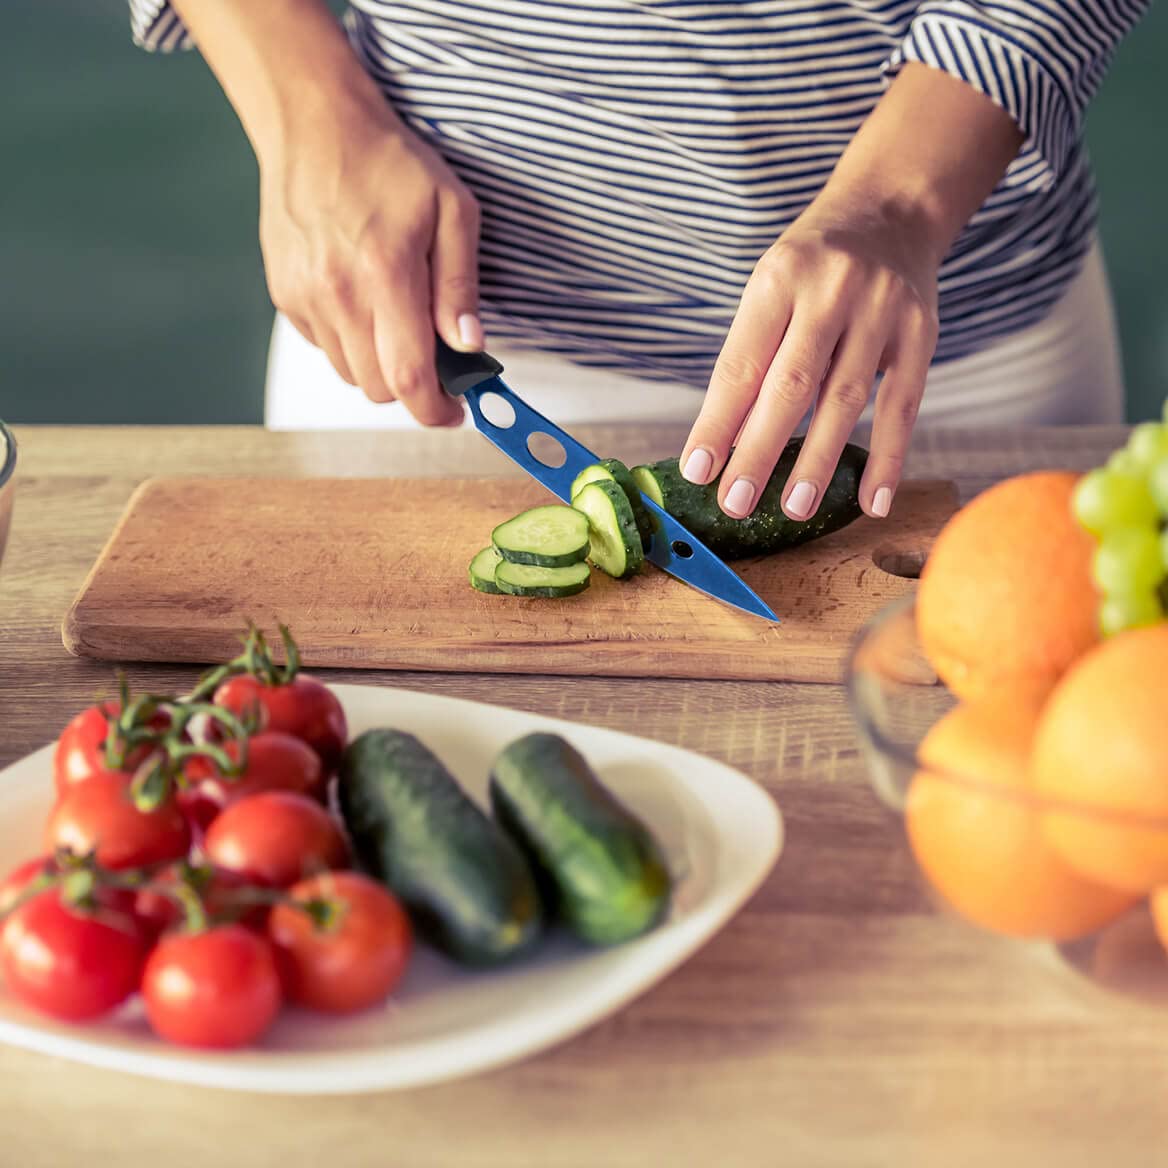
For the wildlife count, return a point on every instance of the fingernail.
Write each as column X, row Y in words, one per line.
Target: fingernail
column 882, row 502
column 698, row 466
column 801, row 500
column 470, row 331
column 739, row 497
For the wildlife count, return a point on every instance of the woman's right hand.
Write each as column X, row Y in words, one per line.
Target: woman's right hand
column 370, row 246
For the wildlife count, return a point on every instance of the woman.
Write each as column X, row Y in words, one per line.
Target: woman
column 866, row 209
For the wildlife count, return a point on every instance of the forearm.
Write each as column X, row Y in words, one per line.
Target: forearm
column 928, row 156
column 285, row 65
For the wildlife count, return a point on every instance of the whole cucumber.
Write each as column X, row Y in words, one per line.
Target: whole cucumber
column 465, row 883
column 599, row 866
column 767, row 529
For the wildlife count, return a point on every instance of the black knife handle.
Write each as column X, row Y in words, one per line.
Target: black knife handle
column 459, row 372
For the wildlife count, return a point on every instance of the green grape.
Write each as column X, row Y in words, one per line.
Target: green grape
column 1158, row 485
column 1123, row 462
column 1129, row 611
column 1128, row 561
column 1164, row 548
column 1148, row 443
column 1105, row 500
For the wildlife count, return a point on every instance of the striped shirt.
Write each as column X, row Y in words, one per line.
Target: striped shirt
column 634, row 158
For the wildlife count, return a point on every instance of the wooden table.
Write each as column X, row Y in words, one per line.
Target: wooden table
column 836, row 1021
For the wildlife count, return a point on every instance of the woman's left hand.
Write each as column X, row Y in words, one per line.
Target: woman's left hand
column 845, row 294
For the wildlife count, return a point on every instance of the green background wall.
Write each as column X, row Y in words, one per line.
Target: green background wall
column 130, row 279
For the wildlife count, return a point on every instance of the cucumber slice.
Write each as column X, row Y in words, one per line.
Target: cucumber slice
column 616, row 544
column 616, row 471
column 533, row 580
column 482, row 570
column 552, row 536
column 646, row 480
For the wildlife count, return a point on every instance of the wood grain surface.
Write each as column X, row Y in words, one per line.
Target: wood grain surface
column 371, row 573
column 838, row 1022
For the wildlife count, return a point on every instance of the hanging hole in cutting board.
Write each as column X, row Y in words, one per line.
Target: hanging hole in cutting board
column 899, row 562
column 546, row 449
column 497, row 410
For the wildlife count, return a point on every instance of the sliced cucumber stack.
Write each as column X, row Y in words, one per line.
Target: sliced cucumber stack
column 533, row 580
column 482, row 571
column 616, row 543
column 553, row 536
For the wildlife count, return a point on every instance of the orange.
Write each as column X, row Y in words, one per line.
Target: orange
column 1159, row 906
column 976, row 834
column 1006, row 594
column 1102, row 744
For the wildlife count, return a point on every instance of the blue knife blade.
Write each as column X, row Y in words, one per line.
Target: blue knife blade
column 673, row 548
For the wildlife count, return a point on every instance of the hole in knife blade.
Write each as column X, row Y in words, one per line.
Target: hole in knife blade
column 546, row 449
column 497, row 410
column 681, row 549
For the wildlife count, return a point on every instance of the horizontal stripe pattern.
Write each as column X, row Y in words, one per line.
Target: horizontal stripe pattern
column 634, row 158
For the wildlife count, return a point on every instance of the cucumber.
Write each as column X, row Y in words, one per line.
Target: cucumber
column 482, row 570
column 552, row 536
column 598, row 865
column 466, row 884
column 767, row 529
column 616, row 543
column 614, row 469
column 530, row 580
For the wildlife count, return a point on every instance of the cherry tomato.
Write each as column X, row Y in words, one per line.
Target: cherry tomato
column 350, row 963
column 80, row 750
column 17, row 881
column 275, row 762
column 218, row 988
column 303, row 707
column 99, row 814
column 70, row 963
column 275, row 838
column 14, row 884
column 159, row 911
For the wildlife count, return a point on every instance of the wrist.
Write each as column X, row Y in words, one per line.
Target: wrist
column 927, row 157
column 906, row 208
column 320, row 117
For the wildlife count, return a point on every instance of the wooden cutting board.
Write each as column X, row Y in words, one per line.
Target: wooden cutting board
column 371, row 573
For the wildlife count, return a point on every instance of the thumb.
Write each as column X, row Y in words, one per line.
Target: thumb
column 454, row 272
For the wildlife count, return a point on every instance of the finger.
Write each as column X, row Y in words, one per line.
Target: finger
column 898, row 399
column 301, row 325
column 751, row 343
column 454, row 274
column 403, row 337
column 327, row 339
column 788, row 390
column 842, row 399
column 361, row 355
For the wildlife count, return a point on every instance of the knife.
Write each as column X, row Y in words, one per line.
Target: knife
column 675, row 550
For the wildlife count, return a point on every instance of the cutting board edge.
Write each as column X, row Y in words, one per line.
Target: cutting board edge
column 721, row 662
column 71, row 629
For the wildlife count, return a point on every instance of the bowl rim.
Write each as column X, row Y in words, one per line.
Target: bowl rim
column 875, row 738
column 9, row 463
column 857, row 706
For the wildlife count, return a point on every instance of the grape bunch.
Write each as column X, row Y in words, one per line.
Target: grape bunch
column 1124, row 505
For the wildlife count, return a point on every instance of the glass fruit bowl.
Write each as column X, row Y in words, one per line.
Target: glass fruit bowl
column 987, row 846
column 7, row 472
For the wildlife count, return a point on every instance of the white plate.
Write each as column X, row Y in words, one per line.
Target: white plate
column 721, row 832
